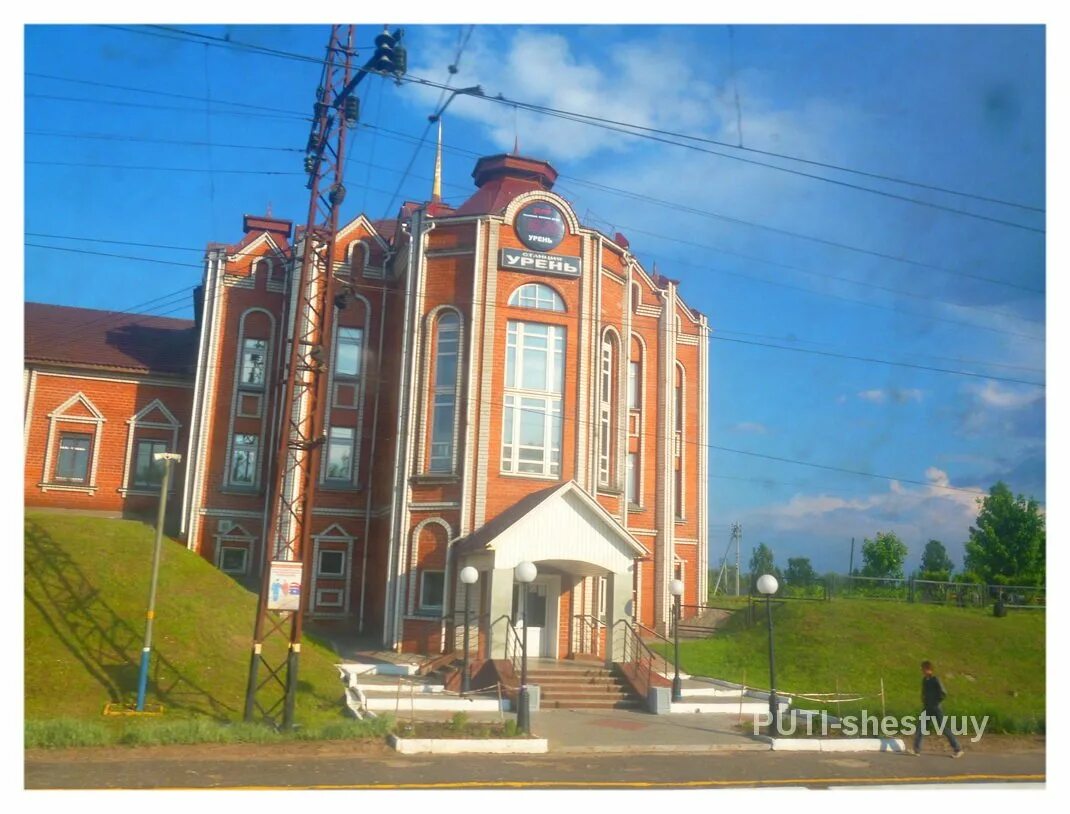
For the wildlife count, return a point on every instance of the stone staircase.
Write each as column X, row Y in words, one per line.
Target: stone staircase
column 572, row 685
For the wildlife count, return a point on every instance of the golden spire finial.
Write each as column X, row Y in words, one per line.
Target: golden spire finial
column 436, row 187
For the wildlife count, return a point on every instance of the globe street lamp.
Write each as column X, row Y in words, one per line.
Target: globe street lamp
column 469, row 576
column 767, row 585
column 525, row 574
column 676, row 588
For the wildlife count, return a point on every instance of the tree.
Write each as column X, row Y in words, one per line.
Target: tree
column 800, row 573
column 1007, row 546
column 761, row 562
column 935, row 564
column 883, row 556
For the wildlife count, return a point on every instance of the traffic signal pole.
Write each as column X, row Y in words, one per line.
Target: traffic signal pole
column 301, row 432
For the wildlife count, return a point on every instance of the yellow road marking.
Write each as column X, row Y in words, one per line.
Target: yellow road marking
column 628, row 784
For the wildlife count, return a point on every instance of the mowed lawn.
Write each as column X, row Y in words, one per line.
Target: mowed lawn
column 86, row 592
column 989, row 666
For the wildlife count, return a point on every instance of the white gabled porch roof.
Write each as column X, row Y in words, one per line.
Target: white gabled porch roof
column 562, row 525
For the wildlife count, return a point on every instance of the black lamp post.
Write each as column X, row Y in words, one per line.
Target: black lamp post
column 676, row 588
column 767, row 585
column 525, row 574
column 469, row 576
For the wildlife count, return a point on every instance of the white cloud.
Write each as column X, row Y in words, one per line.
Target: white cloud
column 893, row 394
column 1006, row 398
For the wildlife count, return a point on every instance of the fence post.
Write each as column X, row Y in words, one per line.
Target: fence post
column 910, row 588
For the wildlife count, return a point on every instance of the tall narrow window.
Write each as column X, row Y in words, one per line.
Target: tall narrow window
column 444, row 393
column 678, row 435
column 632, row 483
column 633, row 385
column 253, row 363
column 340, row 454
column 605, row 413
column 72, row 465
column 534, row 384
column 348, row 355
column 244, row 459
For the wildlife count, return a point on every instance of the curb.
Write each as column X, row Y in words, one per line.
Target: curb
column 663, row 748
column 470, row 746
column 837, row 745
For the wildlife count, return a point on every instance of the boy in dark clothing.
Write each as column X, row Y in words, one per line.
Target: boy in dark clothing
column 932, row 695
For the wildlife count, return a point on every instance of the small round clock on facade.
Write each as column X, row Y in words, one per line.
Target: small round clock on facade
column 540, row 226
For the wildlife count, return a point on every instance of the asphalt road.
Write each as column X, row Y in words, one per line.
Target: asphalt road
column 339, row 766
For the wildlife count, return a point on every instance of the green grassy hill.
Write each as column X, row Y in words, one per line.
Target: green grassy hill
column 86, row 590
column 989, row 666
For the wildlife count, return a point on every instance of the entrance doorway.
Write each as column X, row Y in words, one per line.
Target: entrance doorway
column 542, row 597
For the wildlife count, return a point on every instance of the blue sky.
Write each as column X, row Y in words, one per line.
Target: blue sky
column 959, row 108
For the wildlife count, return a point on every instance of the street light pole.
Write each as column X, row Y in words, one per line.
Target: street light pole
column 469, row 575
column 767, row 585
column 168, row 458
column 525, row 574
column 676, row 588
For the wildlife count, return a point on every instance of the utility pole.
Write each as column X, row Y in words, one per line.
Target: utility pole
column 737, row 533
column 851, row 565
column 167, row 458
column 301, row 432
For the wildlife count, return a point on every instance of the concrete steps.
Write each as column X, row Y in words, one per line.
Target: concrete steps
column 581, row 686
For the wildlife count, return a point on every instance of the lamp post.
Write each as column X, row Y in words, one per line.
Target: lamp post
column 525, row 574
column 167, row 458
column 676, row 588
column 469, row 576
column 767, row 585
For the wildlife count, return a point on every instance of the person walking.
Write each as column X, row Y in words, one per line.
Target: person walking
column 932, row 696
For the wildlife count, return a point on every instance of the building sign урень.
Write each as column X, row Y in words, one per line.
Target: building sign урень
column 539, row 263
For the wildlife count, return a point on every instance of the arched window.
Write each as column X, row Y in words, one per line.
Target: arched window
column 635, row 294
column 444, row 391
column 537, row 295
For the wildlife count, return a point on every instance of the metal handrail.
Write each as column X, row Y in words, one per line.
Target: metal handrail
column 512, row 638
column 590, row 625
column 640, row 655
column 668, row 665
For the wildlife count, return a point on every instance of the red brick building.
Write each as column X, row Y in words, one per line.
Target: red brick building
column 505, row 385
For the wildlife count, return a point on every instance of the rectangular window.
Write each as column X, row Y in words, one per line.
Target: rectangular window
column 603, row 590
column 348, row 355
column 72, row 465
column 603, row 445
column 147, row 471
column 432, row 585
column 678, row 493
column 633, row 385
column 442, row 432
column 531, row 425
column 243, row 461
column 632, row 482
column 331, row 564
column 340, row 454
column 253, row 363
column 233, row 560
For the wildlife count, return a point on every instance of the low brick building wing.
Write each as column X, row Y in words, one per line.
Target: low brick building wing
column 494, row 366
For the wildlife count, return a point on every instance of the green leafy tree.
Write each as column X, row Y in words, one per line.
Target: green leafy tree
column 935, row 564
column 761, row 562
column 883, row 556
column 1007, row 544
column 800, row 573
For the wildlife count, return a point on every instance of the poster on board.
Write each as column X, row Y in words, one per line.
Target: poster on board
column 284, row 587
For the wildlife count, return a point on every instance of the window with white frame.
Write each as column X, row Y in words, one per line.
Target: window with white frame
column 678, row 411
column 537, row 295
column 534, row 384
column 340, row 454
column 72, row 463
column 432, row 590
column 244, row 458
column 348, row 361
column 605, row 412
column 631, row 484
column 233, row 559
column 253, row 363
column 331, row 563
column 633, row 385
column 147, row 470
column 444, row 391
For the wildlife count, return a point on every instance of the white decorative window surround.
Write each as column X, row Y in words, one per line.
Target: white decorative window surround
column 233, row 548
column 679, row 440
column 432, row 591
column 332, row 565
column 74, row 424
column 252, row 377
column 152, row 423
column 340, row 461
column 445, row 387
column 537, row 295
column 414, row 559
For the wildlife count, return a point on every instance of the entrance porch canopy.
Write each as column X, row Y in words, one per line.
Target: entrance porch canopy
column 562, row 527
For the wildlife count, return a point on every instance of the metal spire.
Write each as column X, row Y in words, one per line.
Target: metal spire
column 436, row 187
